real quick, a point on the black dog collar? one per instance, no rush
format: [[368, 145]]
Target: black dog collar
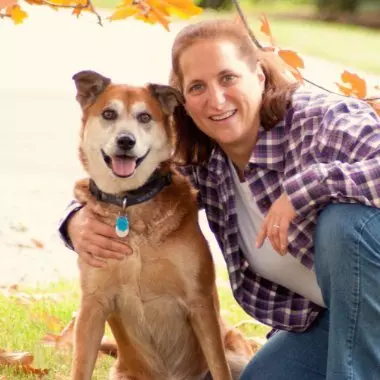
[[150, 189]]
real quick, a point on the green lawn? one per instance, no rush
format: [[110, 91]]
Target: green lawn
[[334, 42], [23, 326]]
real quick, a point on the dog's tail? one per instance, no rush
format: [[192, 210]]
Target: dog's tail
[[108, 346]]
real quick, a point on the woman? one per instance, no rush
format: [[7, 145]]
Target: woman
[[290, 182]]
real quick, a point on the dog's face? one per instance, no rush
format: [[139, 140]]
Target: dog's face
[[125, 132]]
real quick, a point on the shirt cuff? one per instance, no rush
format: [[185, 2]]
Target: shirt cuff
[[71, 209]]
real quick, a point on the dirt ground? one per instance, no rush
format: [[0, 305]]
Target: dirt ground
[[40, 120]]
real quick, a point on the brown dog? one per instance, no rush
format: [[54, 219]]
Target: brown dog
[[161, 302]]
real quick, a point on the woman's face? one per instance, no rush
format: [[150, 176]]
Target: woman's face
[[223, 94]]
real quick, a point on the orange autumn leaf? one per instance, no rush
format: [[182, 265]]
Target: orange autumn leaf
[[21, 362], [266, 29], [182, 8], [155, 11], [82, 7], [294, 61], [352, 85], [37, 243], [16, 14], [35, 2], [153, 17], [123, 12]]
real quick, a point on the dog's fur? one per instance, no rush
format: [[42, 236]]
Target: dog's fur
[[161, 301]]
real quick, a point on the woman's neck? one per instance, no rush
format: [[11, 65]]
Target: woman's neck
[[240, 153], [239, 156]]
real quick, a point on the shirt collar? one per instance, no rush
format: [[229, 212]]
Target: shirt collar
[[269, 150]]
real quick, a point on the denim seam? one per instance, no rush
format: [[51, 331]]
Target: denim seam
[[355, 306], [354, 316]]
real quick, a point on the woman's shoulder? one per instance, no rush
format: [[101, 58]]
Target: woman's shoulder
[[313, 103]]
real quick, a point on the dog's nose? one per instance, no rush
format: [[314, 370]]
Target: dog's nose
[[126, 141]]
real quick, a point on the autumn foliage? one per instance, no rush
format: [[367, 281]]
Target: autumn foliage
[[160, 11]]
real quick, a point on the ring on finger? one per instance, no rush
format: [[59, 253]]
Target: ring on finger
[[276, 226]]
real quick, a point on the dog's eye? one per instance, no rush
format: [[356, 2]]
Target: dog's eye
[[109, 114], [144, 117]]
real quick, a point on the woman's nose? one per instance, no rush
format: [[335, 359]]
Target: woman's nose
[[216, 97]]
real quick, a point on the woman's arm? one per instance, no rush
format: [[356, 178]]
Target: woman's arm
[[348, 161], [93, 240]]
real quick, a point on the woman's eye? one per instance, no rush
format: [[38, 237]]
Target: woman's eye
[[196, 88], [144, 118], [109, 114], [228, 78]]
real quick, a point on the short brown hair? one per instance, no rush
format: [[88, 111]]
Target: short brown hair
[[192, 145]]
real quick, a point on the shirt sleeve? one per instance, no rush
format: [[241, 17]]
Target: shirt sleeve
[[346, 167], [71, 209]]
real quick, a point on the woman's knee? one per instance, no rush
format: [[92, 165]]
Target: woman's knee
[[339, 231]]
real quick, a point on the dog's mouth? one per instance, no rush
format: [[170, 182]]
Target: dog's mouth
[[123, 165]]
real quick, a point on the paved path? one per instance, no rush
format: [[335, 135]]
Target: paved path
[[39, 121]]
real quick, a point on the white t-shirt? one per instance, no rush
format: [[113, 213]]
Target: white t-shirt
[[266, 262]]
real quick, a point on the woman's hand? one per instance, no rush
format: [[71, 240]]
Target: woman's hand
[[94, 240], [276, 225]]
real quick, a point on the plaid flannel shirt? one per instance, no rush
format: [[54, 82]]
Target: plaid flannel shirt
[[325, 150]]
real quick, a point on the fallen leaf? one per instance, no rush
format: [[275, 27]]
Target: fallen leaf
[[26, 298], [20, 362], [352, 85], [15, 358], [37, 243]]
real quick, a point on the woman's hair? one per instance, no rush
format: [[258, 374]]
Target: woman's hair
[[192, 146]]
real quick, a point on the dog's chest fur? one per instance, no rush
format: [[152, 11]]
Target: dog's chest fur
[[149, 290]]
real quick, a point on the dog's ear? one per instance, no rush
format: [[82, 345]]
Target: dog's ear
[[168, 97], [89, 86]]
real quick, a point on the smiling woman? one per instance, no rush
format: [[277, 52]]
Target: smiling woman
[[278, 168], [230, 87]]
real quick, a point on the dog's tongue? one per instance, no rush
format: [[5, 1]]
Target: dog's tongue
[[123, 166]]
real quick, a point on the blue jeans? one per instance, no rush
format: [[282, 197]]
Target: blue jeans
[[344, 342]]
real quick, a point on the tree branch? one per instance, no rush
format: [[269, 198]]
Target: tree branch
[[259, 46], [78, 6], [245, 23]]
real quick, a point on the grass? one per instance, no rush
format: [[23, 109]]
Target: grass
[[24, 325], [350, 45], [333, 42]]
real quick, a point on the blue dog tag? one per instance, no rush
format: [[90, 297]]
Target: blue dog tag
[[122, 226]]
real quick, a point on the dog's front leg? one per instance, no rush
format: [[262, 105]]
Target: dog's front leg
[[88, 333], [205, 322]]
